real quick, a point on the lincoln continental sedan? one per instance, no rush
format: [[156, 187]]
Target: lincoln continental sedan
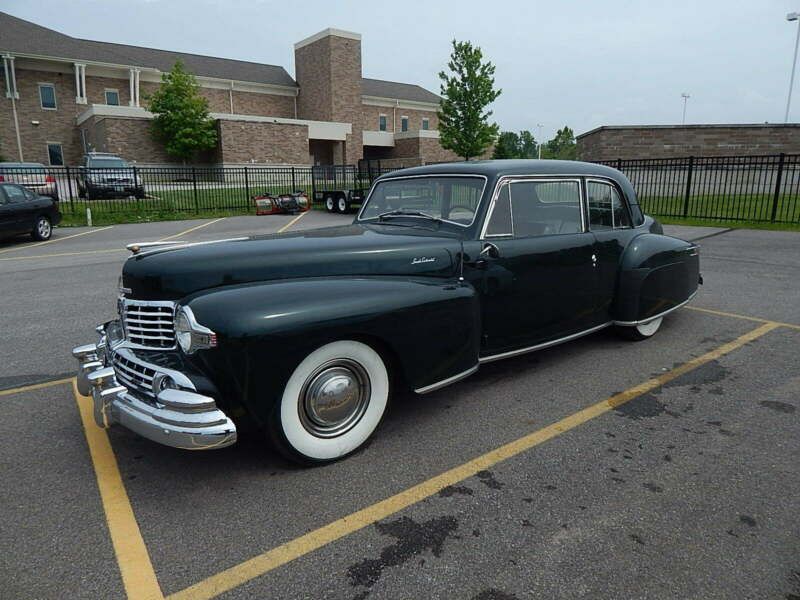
[[301, 338]]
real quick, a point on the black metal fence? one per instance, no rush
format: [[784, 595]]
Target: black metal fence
[[727, 188], [153, 190], [731, 188]]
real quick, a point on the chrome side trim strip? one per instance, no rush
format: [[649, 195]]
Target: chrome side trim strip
[[542, 346], [654, 317], [445, 382]]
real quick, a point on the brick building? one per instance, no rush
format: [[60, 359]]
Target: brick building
[[65, 95], [674, 141]]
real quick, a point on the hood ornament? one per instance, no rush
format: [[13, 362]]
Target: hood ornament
[[137, 247]]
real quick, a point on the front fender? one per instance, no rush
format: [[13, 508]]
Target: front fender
[[657, 273], [428, 329]]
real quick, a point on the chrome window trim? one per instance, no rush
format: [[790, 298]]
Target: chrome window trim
[[427, 176], [616, 188], [509, 179]]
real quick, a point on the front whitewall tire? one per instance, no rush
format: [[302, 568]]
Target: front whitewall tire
[[323, 449]]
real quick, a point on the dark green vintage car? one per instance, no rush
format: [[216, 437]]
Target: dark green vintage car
[[444, 268]]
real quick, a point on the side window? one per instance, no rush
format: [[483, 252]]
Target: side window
[[403, 123], [606, 208], [546, 208], [500, 219], [14, 193], [47, 96], [425, 124], [382, 122]]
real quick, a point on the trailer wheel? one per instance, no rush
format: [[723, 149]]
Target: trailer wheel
[[342, 203], [330, 205]]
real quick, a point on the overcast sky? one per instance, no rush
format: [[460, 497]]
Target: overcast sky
[[584, 64]]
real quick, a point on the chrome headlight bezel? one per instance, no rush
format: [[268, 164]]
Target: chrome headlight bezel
[[189, 334]]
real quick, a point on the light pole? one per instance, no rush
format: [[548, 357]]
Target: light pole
[[539, 125], [685, 97], [792, 16]]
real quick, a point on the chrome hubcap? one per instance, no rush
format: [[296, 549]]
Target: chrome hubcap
[[44, 228], [329, 203], [342, 204], [334, 398]]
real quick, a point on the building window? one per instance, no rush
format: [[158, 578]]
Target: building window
[[56, 154], [112, 97], [403, 123], [382, 123], [47, 96], [426, 124]]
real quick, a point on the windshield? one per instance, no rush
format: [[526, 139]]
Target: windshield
[[452, 199], [107, 163]]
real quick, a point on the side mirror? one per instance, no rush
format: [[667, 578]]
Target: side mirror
[[489, 250]]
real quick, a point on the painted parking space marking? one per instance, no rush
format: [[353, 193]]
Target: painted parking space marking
[[35, 386], [721, 313], [135, 565], [268, 561], [292, 222], [57, 254], [60, 239], [191, 229]]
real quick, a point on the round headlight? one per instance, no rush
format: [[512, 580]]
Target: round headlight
[[183, 331]]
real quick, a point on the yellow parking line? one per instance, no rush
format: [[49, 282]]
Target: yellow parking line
[[292, 222], [266, 562], [135, 566], [35, 386], [191, 229], [721, 313], [60, 239], [63, 254]]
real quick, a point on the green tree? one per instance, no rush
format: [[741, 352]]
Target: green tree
[[513, 145], [507, 145], [467, 91], [181, 120], [562, 146]]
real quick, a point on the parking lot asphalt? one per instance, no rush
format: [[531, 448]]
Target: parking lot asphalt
[[596, 469]]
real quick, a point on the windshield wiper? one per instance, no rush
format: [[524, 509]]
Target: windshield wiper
[[408, 213]]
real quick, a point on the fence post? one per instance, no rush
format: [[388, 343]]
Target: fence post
[[69, 187], [688, 187], [294, 182], [194, 188], [778, 182], [619, 164], [246, 186], [136, 185]]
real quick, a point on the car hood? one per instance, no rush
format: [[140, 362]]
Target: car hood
[[351, 250]]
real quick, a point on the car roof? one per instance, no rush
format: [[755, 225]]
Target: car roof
[[494, 169], [21, 165]]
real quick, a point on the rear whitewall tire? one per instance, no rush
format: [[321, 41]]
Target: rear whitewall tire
[[641, 332], [294, 437]]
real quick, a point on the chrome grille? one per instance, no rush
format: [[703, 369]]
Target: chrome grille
[[148, 324], [133, 375]]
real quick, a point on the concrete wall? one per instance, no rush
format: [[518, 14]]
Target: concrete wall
[[672, 141]]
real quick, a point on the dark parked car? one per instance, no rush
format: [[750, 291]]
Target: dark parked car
[[104, 175], [33, 176], [444, 268], [22, 211]]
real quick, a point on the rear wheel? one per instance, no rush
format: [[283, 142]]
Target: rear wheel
[[332, 404], [641, 332], [342, 204], [43, 229]]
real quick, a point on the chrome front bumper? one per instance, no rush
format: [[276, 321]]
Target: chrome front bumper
[[180, 418]]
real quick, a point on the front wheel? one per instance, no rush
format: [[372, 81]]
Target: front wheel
[[43, 229], [330, 205], [641, 332], [332, 404], [342, 204]]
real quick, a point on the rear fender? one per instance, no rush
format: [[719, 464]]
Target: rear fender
[[658, 273], [430, 329]]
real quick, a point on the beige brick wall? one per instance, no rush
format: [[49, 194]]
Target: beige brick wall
[[691, 140], [96, 87], [54, 125], [369, 118], [271, 143], [131, 139]]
